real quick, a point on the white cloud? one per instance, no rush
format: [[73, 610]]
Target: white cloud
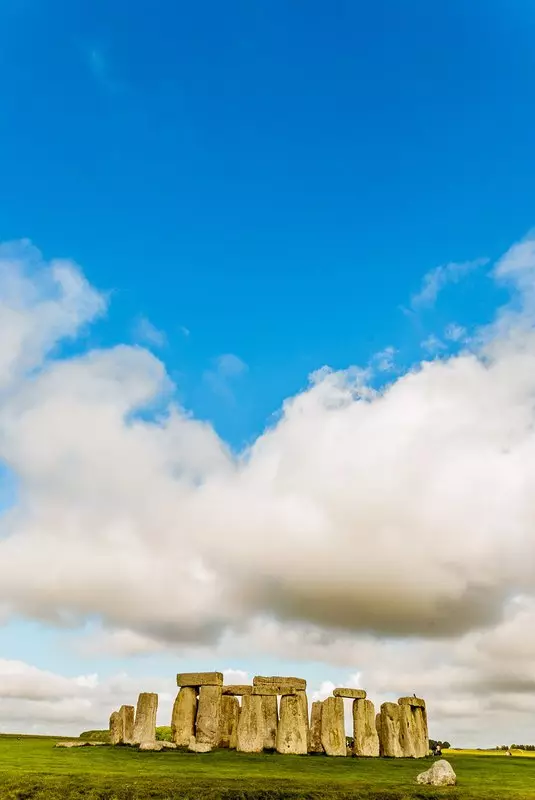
[[360, 518], [147, 333], [440, 277], [432, 344], [225, 370], [454, 332]]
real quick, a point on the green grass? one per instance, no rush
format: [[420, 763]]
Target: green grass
[[32, 769]]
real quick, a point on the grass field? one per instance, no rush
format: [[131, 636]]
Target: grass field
[[32, 769]]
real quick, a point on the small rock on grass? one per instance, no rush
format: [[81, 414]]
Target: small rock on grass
[[440, 774]]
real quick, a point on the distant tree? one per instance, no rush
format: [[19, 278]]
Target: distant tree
[[446, 745]]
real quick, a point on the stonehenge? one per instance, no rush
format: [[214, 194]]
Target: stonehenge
[[272, 714]]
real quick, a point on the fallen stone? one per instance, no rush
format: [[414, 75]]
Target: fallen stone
[[116, 728], [145, 719], [314, 735], [274, 689], [440, 774], [250, 734], [230, 709], [352, 694], [199, 679], [333, 735], [183, 716], [390, 731], [271, 718], [151, 745], [365, 736], [296, 683], [199, 747], [292, 730], [168, 745], [416, 702], [127, 714], [239, 690], [75, 744], [208, 716]]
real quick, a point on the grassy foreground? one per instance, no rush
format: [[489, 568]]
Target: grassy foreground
[[32, 769]]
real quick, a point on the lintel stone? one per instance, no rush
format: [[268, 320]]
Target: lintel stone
[[199, 679], [352, 694]]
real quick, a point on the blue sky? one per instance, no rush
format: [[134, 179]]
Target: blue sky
[[259, 190]]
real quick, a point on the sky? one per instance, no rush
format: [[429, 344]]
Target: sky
[[267, 354]]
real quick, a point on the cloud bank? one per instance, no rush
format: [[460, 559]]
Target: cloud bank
[[362, 517]]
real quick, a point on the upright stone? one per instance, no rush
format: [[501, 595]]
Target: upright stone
[[333, 735], [414, 739], [116, 728], [250, 733], [293, 725], [390, 731], [314, 738], [378, 729], [145, 722], [183, 716], [233, 744], [365, 737], [127, 721], [208, 715], [230, 709], [271, 719]]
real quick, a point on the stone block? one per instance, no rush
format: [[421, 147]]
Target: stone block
[[351, 694], [183, 716], [116, 728], [416, 702], [314, 736], [127, 714], [292, 730], [365, 736], [145, 719], [239, 690], [271, 719], [390, 731], [230, 709], [199, 679], [273, 689], [250, 733], [333, 735], [208, 715], [296, 683]]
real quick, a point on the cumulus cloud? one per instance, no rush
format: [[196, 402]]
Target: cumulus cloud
[[361, 517]]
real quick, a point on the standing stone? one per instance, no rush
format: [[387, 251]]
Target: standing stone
[[378, 729], [407, 732], [390, 731], [365, 737], [183, 716], [145, 722], [333, 735], [314, 737], [233, 744], [230, 709], [250, 733], [271, 719], [414, 737], [208, 715], [127, 721], [293, 725], [116, 728]]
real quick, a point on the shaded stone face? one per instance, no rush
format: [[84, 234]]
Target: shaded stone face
[[274, 689], [416, 702], [127, 714], [314, 736], [295, 683], [250, 733], [116, 728], [292, 731], [413, 734], [390, 731], [238, 690], [365, 736], [271, 718], [183, 716], [378, 729], [333, 735], [230, 709], [145, 720], [208, 715], [352, 694], [197, 679]]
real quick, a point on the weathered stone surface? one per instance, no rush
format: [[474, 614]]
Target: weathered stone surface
[[378, 729], [273, 689], [230, 709], [352, 694], [417, 702], [234, 738], [169, 745], [292, 730], [199, 747], [390, 731], [407, 732], [296, 683], [365, 737], [151, 745], [127, 714], [73, 744], [314, 735], [238, 690], [145, 720], [199, 679], [440, 774], [333, 735], [422, 735], [208, 716], [271, 719], [250, 734], [183, 716], [116, 728]]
